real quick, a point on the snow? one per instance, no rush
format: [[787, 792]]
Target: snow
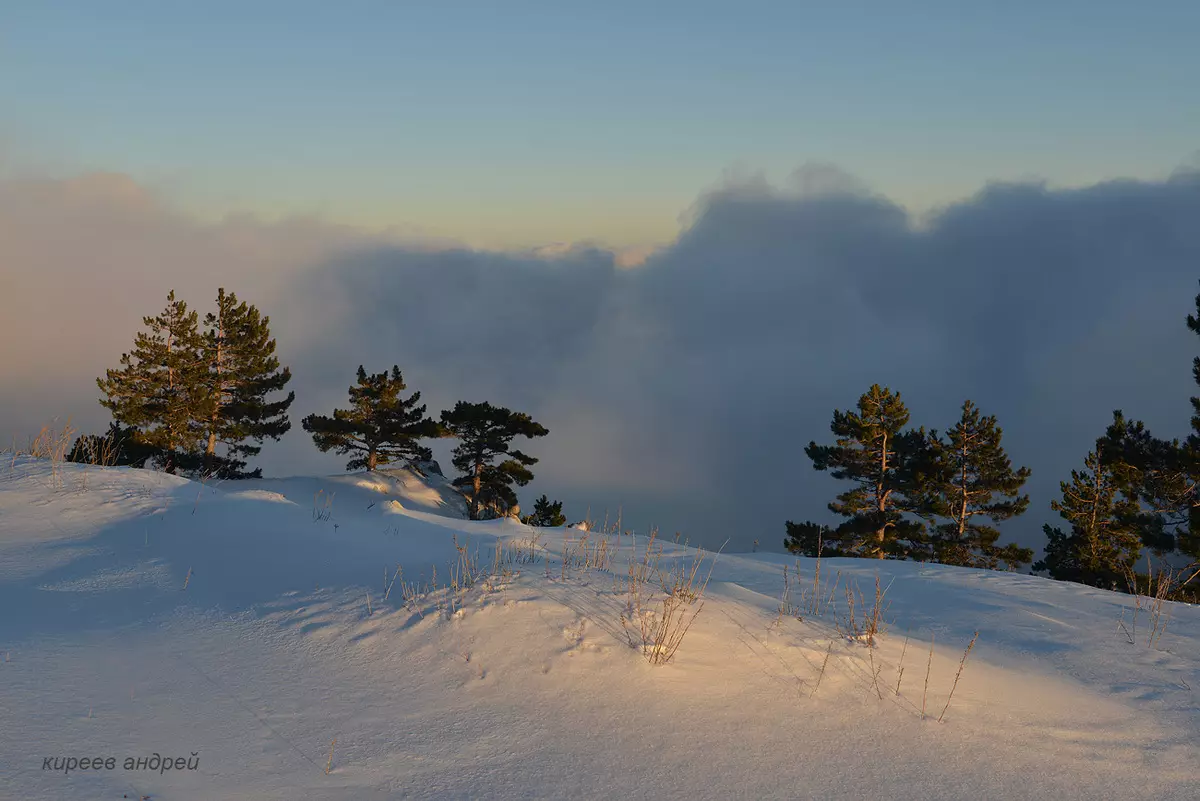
[[531, 689]]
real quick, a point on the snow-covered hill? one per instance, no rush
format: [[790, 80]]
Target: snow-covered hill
[[251, 624]]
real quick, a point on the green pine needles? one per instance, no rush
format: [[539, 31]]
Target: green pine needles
[[380, 427], [485, 434], [916, 495], [974, 482], [883, 459], [546, 513], [1102, 544], [182, 391], [242, 375]]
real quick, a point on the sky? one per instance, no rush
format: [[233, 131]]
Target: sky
[[526, 123], [679, 237]]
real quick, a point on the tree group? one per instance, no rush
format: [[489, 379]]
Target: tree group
[[182, 390], [201, 399], [915, 494], [921, 495], [382, 427]]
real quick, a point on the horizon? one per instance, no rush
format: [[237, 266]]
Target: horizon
[[682, 240]]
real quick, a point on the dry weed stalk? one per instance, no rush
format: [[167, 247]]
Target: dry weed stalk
[[662, 625], [863, 623], [1160, 587], [51, 444], [329, 763], [821, 675], [875, 671], [1122, 627], [387, 585], [961, 664], [928, 669], [900, 675]]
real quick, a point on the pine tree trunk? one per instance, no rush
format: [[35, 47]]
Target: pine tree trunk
[[211, 451], [476, 486], [372, 459], [881, 533], [170, 466], [1093, 520], [962, 514]]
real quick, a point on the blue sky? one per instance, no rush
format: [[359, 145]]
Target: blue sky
[[518, 123]]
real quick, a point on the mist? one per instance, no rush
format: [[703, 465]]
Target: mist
[[683, 389]]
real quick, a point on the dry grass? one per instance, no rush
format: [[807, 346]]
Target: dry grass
[[859, 619], [1160, 587], [98, 451], [656, 619], [52, 444], [961, 664], [824, 664]]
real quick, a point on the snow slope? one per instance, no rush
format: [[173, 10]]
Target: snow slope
[[532, 690], [391, 489]]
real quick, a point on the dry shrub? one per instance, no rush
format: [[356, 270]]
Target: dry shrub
[[657, 618]]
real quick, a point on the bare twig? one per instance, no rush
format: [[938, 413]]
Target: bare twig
[[928, 668], [900, 676], [961, 664]]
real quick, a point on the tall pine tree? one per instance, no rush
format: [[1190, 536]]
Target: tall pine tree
[[485, 433], [1152, 475], [1103, 543], [888, 464], [1185, 469], [1164, 476], [242, 371], [1160, 478], [973, 482], [161, 389], [380, 427]]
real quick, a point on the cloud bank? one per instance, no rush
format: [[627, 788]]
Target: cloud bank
[[681, 384]]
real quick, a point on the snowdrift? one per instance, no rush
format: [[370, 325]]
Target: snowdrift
[[296, 648]]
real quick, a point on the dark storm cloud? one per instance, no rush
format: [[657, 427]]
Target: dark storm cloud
[[684, 389]]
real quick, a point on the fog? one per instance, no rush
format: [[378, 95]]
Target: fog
[[683, 389]]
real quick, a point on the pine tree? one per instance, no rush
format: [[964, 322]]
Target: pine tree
[[1103, 543], [889, 465], [242, 371], [545, 514], [810, 539], [1152, 475], [974, 481], [485, 433], [380, 426], [1161, 477], [1186, 469], [160, 389]]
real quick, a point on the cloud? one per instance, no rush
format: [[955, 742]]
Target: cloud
[[682, 389]]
